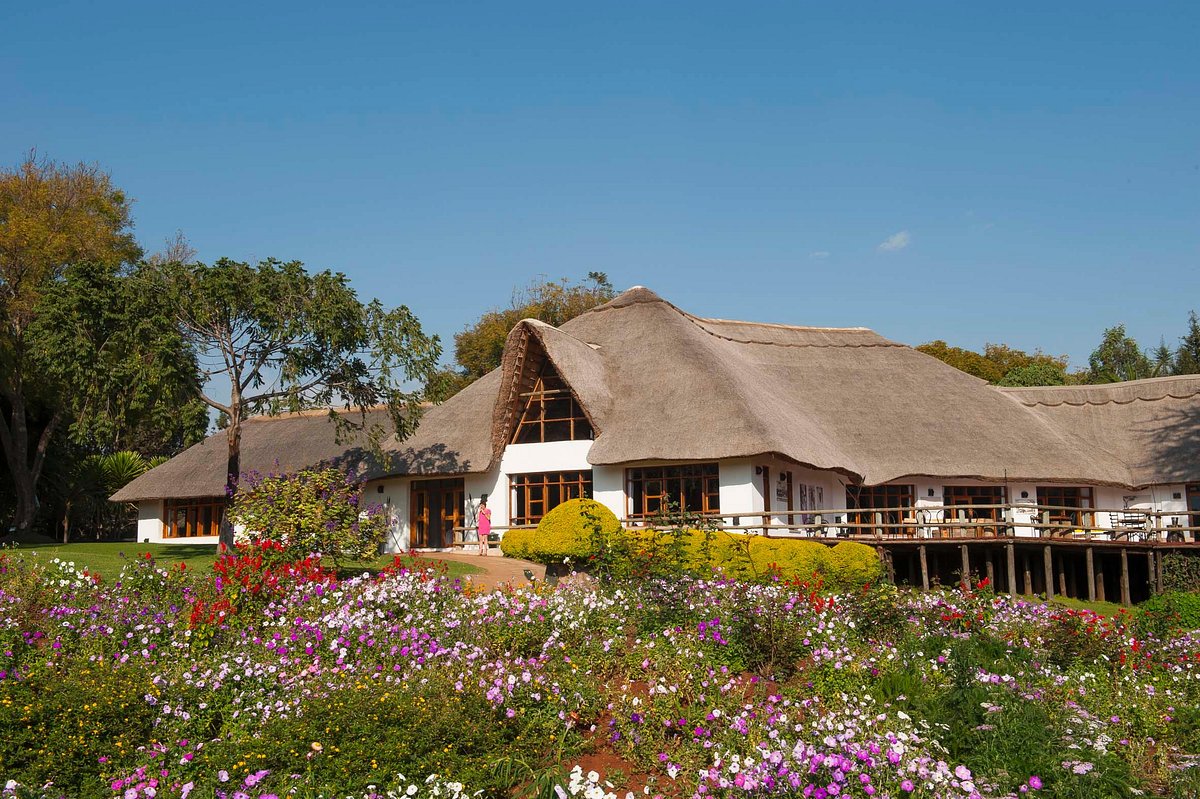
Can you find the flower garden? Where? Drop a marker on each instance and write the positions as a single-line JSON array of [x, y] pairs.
[[268, 678]]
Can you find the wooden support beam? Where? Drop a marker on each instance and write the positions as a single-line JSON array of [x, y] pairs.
[[991, 570], [1028, 574], [1151, 582], [1011, 556], [1062, 575], [924, 568], [1091, 576], [1125, 578], [1048, 569], [886, 558], [1100, 596], [965, 577]]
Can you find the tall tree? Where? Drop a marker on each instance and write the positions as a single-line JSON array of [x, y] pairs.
[[1118, 358], [1187, 357], [280, 338], [479, 348], [51, 216]]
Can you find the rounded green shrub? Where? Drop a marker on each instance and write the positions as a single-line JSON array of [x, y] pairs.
[[516, 543], [853, 565], [575, 530]]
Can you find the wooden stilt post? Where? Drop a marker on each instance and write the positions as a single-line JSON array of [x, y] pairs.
[[1011, 558], [965, 577], [1151, 582], [1091, 576], [1100, 596], [1062, 574], [1125, 577], [1160, 571], [1028, 574], [885, 558], [991, 570], [924, 568], [1048, 568]]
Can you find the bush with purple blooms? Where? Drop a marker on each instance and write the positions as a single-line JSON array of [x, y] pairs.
[[315, 511]]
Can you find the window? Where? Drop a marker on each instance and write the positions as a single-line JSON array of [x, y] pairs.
[[550, 413], [892, 502], [1062, 499], [695, 488], [534, 495], [955, 496], [188, 518]]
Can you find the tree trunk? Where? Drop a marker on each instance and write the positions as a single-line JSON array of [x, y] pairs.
[[233, 463], [15, 440]]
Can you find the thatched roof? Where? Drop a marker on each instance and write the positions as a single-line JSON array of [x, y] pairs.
[[658, 383], [285, 443], [1153, 425]]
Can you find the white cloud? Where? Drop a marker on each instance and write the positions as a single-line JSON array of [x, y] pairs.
[[819, 254], [896, 242]]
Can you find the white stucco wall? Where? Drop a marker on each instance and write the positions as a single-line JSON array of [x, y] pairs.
[[149, 523]]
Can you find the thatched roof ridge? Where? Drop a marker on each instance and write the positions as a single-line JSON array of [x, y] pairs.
[[287, 442], [1152, 425], [578, 363], [1179, 387]]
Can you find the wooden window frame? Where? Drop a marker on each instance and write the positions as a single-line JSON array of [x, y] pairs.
[[966, 497], [893, 500], [1060, 496], [193, 510], [550, 404], [644, 503], [526, 509]]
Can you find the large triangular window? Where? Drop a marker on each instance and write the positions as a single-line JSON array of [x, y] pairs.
[[548, 412]]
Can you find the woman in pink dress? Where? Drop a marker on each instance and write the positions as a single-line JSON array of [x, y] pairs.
[[484, 525]]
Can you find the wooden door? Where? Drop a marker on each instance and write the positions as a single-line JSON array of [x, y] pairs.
[[437, 509]]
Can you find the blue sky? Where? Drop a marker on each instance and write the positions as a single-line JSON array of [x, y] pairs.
[[1022, 174]]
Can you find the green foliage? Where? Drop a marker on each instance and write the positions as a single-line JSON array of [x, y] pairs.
[[567, 533], [1037, 374], [853, 565], [1002, 365], [478, 348], [59, 723], [1169, 612], [286, 339], [517, 543], [79, 347], [315, 511], [1181, 572], [1118, 358], [1187, 357]]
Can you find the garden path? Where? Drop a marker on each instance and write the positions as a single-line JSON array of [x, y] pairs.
[[498, 570]]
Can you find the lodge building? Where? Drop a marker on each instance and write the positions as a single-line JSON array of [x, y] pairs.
[[828, 433]]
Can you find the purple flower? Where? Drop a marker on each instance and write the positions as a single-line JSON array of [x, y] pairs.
[[1035, 782]]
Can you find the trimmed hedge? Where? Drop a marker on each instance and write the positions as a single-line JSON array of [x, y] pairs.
[[565, 533], [847, 565]]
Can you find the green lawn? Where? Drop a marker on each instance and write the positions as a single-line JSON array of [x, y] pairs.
[[106, 559], [1103, 608]]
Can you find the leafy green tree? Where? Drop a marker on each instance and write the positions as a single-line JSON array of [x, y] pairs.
[[963, 360], [1035, 374], [1118, 358], [479, 348], [284, 339], [1187, 357], [1162, 360], [52, 217]]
